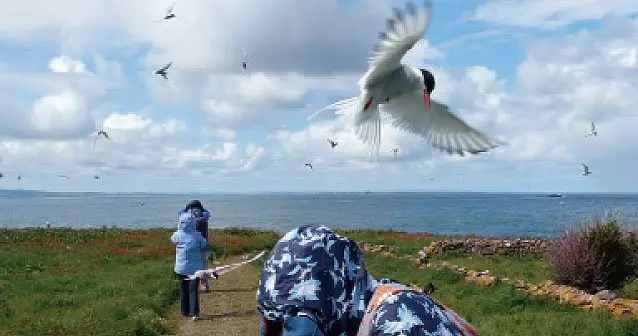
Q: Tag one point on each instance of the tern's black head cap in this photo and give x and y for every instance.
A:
(428, 80)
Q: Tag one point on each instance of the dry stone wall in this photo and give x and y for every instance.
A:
(489, 246)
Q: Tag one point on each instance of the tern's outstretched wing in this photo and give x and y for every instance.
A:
(441, 128)
(403, 31)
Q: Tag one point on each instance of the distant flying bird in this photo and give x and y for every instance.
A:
(169, 13)
(19, 177)
(162, 71)
(64, 176)
(97, 177)
(101, 133)
(403, 92)
(309, 165)
(333, 144)
(593, 130)
(1, 175)
(585, 169)
(396, 151)
(104, 134)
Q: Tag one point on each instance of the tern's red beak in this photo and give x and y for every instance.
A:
(426, 98)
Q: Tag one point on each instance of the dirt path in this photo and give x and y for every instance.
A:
(230, 307)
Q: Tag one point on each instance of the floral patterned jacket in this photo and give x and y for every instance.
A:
(315, 272)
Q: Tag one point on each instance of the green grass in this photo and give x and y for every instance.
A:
(525, 268)
(630, 291)
(406, 243)
(501, 309)
(234, 241)
(104, 281)
(531, 269)
(120, 282)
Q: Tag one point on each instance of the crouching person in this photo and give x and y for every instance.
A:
(189, 246)
(314, 283)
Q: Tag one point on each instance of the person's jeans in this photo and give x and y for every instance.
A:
(189, 295)
(292, 326)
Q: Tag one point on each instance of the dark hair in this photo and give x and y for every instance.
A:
(194, 204)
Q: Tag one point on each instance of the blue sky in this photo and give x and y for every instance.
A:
(534, 74)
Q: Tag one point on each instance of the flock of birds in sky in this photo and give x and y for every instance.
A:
(397, 90)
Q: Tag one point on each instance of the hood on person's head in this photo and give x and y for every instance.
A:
(342, 286)
(186, 222)
(194, 204)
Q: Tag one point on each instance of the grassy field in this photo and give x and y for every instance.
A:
(96, 281)
(120, 282)
(530, 269)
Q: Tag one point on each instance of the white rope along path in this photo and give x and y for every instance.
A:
(208, 273)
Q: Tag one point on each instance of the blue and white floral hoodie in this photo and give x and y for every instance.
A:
(189, 246)
(314, 272)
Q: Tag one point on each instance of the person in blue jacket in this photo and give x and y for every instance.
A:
(314, 283)
(202, 216)
(189, 246)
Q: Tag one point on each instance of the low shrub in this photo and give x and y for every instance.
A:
(600, 255)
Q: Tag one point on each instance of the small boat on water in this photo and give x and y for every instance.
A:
(555, 195)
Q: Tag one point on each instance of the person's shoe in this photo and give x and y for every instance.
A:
(195, 318)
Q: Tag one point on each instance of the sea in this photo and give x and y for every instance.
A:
(488, 214)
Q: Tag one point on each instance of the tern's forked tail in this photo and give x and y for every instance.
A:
(340, 107)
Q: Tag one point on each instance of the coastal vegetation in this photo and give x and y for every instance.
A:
(105, 281)
(111, 281)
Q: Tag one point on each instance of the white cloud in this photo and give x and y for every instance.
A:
(141, 133)
(139, 145)
(550, 14)
(126, 122)
(211, 117)
(421, 52)
(68, 97)
(267, 100)
(563, 85)
(66, 64)
(254, 154)
(61, 115)
(223, 134)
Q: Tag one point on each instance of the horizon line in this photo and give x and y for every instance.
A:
(251, 192)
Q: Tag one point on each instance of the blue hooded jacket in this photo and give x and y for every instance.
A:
(189, 244)
(201, 217)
